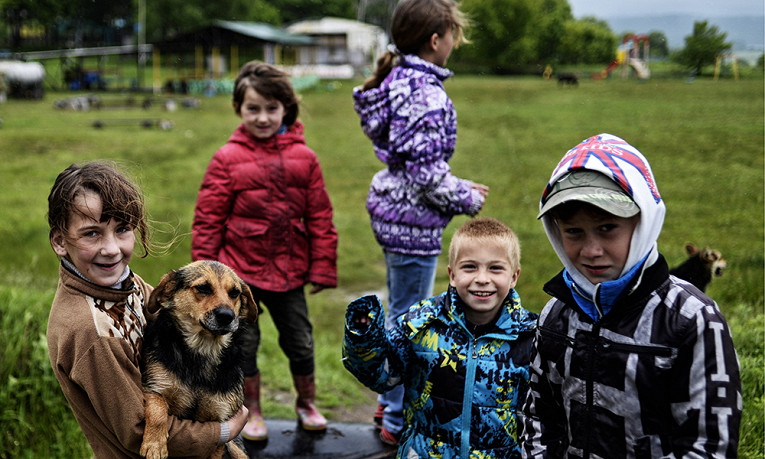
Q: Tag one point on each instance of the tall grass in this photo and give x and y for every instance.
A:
(704, 141)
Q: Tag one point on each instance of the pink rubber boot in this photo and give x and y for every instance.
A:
(255, 429)
(308, 416)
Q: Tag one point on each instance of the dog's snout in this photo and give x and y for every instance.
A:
(224, 316)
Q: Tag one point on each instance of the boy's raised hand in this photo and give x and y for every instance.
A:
(360, 321)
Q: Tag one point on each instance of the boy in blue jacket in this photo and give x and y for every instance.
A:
(462, 356)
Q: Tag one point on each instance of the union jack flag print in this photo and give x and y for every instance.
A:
(606, 150)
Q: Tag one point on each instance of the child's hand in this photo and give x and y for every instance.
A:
(237, 422)
(360, 321)
(317, 288)
(483, 189)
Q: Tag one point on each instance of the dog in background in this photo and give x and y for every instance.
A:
(700, 267)
(568, 79)
(191, 354)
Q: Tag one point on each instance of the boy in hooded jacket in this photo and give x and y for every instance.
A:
(628, 361)
(462, 356)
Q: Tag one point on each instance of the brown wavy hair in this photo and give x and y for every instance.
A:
(412, 25)
(269, 82)
(121, 199)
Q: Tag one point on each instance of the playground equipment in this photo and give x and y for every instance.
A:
(632, 53)
(724, 59)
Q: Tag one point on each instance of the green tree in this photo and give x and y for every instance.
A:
(551, 29)
(168, 17)
(523, 35)
(377, 12)
(70, 22)
(588, 41)
(702, 47)
(501, 32)
(658, 43)
(297, 10)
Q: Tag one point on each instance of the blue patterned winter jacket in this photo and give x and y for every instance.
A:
(413, 126)
(461, 392)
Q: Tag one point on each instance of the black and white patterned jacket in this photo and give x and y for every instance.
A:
(655, 377)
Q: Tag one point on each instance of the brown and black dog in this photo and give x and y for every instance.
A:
(191, 355)
(700, 267)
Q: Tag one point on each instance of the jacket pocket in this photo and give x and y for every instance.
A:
(552, 345)
(247, 229)
(299, 227)
(246, 240)
(651, 446)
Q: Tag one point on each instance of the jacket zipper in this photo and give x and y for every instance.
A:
(589, 386)
(556, 334)
(467, 400)
(659, 351)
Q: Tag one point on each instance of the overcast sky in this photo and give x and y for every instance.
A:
(700, 8)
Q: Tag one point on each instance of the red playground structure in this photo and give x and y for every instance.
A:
(632, 54)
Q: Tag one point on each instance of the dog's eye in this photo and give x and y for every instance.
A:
(234, 293)
(203, 289)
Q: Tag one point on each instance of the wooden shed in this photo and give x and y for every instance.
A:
(220, 48)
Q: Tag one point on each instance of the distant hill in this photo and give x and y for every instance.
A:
(745, 33)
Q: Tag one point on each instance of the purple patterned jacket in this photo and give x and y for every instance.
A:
(413, 126)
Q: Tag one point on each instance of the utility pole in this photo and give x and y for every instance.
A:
(141, 26)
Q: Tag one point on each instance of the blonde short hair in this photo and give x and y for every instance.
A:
(488, 230)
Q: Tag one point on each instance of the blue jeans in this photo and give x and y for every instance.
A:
(410, 279)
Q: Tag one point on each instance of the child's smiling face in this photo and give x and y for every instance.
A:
(99, 250)
(483, 276)
(262, 117)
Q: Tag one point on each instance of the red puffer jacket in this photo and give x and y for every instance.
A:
(264, 211)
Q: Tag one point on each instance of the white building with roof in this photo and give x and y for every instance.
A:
(342, 48)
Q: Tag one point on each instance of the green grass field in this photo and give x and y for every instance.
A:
(704, 140)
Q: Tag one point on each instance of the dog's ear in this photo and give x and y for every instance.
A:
(249, 310)
(691, 249)
(163, 291)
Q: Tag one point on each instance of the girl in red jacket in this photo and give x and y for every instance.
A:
(264, 211)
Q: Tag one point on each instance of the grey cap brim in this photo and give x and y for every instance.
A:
(592, 188)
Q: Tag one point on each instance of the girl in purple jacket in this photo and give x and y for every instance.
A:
(264, 211)
(412, 123)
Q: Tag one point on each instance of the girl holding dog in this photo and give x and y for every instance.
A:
(412, 123)
(263, 210)
(96, 323)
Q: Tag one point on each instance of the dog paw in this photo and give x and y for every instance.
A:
(154, 450)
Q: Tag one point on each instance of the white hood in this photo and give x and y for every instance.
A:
(625, 165)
